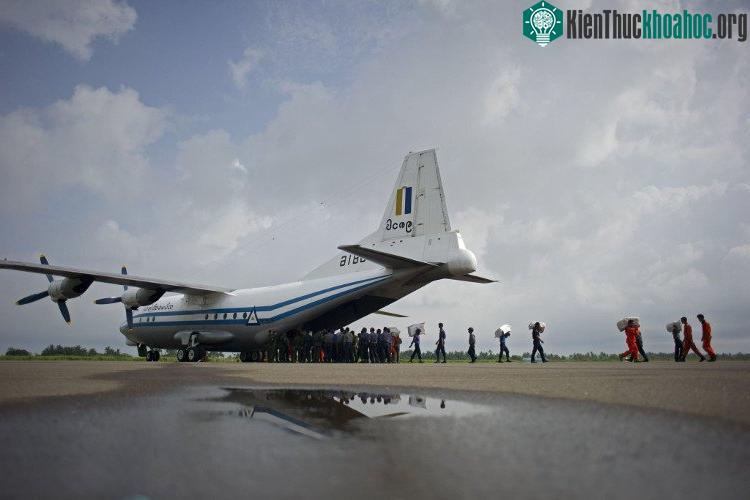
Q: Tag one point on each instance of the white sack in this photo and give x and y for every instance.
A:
(413, 328)
(623, 323)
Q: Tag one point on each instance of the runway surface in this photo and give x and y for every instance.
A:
(566, 430)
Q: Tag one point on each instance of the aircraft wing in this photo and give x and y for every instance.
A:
(113, 278)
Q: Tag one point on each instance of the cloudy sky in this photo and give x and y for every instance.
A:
(238, 143)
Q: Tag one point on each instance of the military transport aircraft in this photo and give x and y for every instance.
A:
(413, 246)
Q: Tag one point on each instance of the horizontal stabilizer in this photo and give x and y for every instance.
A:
(472, 278)
(386, 259)
(393, 315)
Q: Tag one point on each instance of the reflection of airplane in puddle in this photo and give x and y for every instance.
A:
(316, 413)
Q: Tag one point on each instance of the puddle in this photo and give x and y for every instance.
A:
(318, 413)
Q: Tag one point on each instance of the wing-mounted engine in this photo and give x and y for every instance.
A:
(133, 298)
(59, 291)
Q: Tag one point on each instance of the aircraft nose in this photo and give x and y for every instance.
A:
(464, 262)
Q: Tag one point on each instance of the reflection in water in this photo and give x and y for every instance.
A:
(316, 413)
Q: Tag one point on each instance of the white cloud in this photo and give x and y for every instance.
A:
(503, 95)
(241, 69)
(73, 24)
(97, 140)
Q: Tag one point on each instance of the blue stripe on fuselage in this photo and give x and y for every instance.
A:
(243, 321)
(257, 308)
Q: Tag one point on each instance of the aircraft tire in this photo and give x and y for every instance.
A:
(254, 356)
(150, 356)
(195, 354)
(181, 354)
(244, 357)
(155, 355)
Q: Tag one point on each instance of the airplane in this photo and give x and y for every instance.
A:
(413, 246)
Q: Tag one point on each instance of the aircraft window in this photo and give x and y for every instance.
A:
(216, 316)
(234, 316)
(225, 315)
(244, 315)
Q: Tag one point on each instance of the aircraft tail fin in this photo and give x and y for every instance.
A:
(416, 206)
(415, 230)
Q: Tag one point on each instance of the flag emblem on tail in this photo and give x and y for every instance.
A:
(403, 200)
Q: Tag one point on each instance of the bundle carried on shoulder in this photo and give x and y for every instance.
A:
(394, 331)
(623, 323)
(503, 330)
(542, 326)
(674, 327)
(413, 329)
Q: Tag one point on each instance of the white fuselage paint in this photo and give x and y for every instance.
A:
(250, 315)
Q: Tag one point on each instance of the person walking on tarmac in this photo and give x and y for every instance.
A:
(706, 338)
(678, 342)
(536, 333)
(631, 333)
(415, 343)
(472, 343)
(504, 348)
(687, 341)
(639, 345)
(440, 344)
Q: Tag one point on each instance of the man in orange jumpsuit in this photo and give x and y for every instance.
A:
(687, 341)
(630, 334)
(706, 338)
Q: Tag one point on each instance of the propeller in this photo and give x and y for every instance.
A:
(38, 296)
(115, 300)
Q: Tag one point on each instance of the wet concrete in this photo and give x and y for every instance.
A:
(219, 439)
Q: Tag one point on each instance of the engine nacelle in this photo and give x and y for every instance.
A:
(68, 288)
(137, 297)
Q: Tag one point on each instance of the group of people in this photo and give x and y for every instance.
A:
(330, 346)
(372, 346)
(682, 347)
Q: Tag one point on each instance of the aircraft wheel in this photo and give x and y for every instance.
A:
(254, 356)
(181, 354)
(155, 355)
(148, 356)
(196, 353)
(244, 357)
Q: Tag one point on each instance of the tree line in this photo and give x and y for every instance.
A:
(61, 350)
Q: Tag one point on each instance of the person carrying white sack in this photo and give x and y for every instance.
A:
(502, 334)
(674, 329)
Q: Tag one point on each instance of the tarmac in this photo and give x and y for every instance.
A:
(563, 430)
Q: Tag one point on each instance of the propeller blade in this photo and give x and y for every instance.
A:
(45, 262)
(129, 317)
(108, 300)
(64, 311)
(125, 272)
(32, 298)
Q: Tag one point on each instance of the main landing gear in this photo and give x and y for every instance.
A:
(250, 356)
(190, 354)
